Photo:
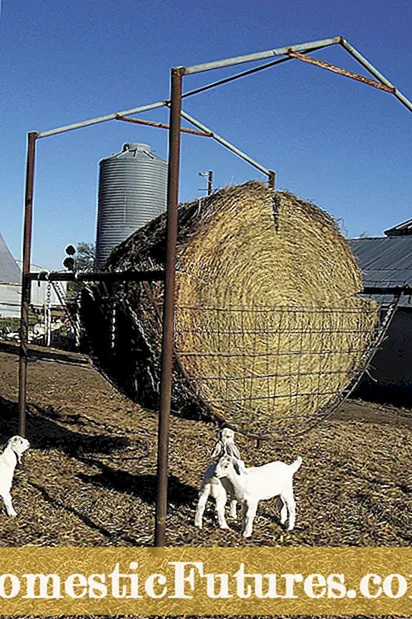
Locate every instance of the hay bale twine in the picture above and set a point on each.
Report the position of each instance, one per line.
(268, 330)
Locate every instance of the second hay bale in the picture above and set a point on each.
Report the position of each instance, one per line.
(268, 329)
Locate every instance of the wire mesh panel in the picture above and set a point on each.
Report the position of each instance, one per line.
(271, 371)
(270, 329)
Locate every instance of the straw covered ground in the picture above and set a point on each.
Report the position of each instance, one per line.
(268, 330)
(89, 478)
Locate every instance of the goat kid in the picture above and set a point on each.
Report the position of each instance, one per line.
(12, 453)
(251, 485)
(219, 489)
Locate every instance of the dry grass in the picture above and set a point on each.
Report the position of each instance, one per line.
(268, 328)
(90, 476)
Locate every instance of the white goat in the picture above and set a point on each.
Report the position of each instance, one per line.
(251, 485)
(12, 453)
(219, 489)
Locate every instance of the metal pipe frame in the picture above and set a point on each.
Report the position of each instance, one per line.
(330, 67)
(286, 51)
(26, 284)
(150, 123)
(97, 276)
(280, 51)
(374, 71)
(168, 307)
(225, 143)
(101, 119)
(174, 103)
(28, 277)
(204, 132)
(173, 184)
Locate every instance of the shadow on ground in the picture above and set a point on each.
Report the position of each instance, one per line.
(45, 432)
(142, 486)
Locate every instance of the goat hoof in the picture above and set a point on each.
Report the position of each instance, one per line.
(12, 514)
(245, 534)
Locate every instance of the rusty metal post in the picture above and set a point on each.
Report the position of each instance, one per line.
(26, 282)
(271, 179)
(168, 307)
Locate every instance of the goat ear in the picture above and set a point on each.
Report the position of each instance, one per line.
(233, 451)
(15, 447)
(236, 466)
(217, 450)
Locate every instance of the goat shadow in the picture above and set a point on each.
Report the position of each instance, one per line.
(44, 432)
(139, 485)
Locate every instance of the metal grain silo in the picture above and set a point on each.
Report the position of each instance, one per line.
(132, 191)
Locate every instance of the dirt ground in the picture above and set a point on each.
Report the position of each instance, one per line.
(90, 475)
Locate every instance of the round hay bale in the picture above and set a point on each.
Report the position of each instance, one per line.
(268, 327)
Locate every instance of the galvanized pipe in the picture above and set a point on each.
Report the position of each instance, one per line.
(303, 47)
(151, 106)
(363, 61)
(232, 78)
(102, 119)
(168, 307)
(145, 108)
(26, 283)
(227, 62)
(224, 142)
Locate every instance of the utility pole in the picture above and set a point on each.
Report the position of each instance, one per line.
(209, 175)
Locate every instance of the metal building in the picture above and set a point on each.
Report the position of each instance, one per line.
(387, 261)
(42, 293)
(132, 191)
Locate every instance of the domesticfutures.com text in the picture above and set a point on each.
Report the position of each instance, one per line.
(188, 580)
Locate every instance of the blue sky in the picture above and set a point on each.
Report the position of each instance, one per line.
(341, 144)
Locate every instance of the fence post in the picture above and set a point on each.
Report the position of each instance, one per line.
(168, 308)
(25, 282)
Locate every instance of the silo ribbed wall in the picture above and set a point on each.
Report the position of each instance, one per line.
(132, 191)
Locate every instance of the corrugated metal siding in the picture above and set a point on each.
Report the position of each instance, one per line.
(385, 261)
(386, 256)
(132, 191)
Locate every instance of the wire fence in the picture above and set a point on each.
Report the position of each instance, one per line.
(276, 371)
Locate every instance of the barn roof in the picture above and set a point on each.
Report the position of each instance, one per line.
(385, 261)
(403, 228)
(9, 270)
